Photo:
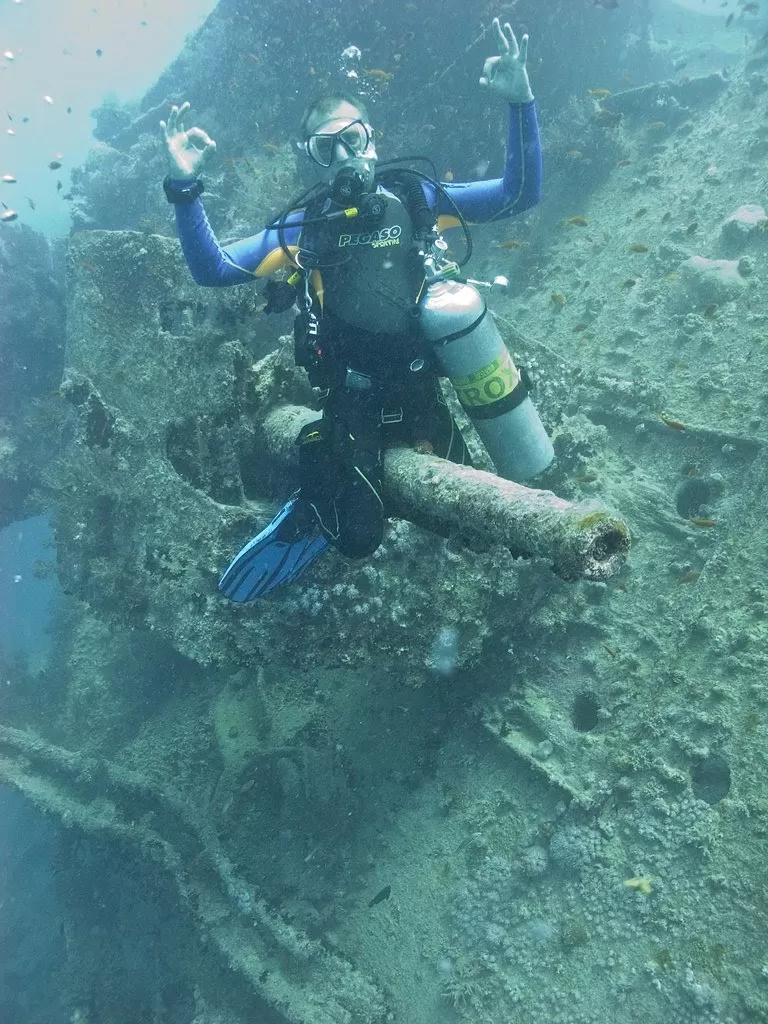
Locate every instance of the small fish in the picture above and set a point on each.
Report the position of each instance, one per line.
(586, 478)
(692, 228)
(711, 311)
(642, 885)
(69, 110)
(623, 163)
(379, 75)
(59, 186)
(729, 19)
(629, 283)
(31, 202)
(510, 243)
(689, 577)
(557, 299)
(54, 165)
(638, 247)
(574, 154)
(600, 94)
(703, 522)
(8, 179)
(576, 222)
(24, 120)
(607, 5)
(447, 175)
(608, 118)
(254, 57)
(8, 215)
(610, 650)
(656, 126)
(381, 895)
(577, 328)
(666, 218)
(469, 841)
(672, 424)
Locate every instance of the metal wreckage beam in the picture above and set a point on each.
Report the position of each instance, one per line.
(295, 978)
(579, 541)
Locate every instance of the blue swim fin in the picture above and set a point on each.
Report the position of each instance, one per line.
(279, 554)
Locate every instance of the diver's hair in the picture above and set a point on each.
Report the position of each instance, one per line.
(324, 104)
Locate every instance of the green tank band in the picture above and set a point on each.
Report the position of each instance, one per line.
(488, 384)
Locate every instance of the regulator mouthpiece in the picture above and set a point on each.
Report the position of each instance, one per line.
(354, 180)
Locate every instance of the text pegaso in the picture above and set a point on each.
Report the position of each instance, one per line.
(376, 239)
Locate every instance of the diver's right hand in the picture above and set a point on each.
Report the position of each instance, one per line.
(187, 150)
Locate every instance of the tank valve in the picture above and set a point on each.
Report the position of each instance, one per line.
(498, 284)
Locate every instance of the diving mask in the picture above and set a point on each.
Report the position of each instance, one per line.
(356, 137)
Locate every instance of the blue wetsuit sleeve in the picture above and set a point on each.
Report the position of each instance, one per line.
(214, 265)
(518, 190)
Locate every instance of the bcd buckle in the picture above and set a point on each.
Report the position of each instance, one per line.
(393, 416)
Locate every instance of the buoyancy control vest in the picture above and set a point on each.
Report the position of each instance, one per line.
(371, 271)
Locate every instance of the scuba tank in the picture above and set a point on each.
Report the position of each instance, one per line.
(455, 320)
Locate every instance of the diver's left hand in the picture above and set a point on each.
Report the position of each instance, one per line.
(507, 74)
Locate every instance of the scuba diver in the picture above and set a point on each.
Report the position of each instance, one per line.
(383, 313)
